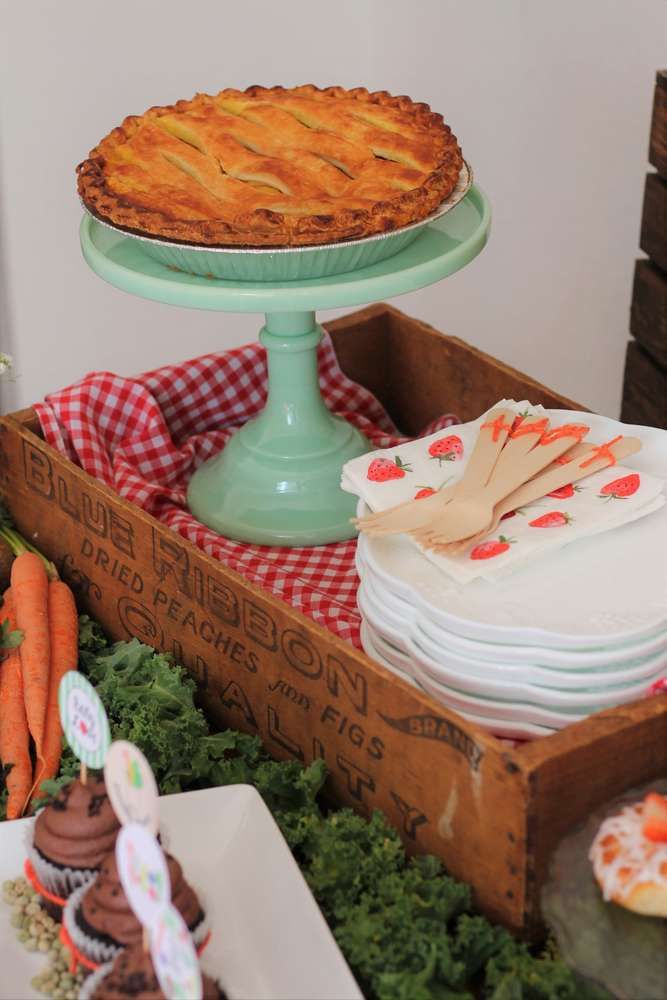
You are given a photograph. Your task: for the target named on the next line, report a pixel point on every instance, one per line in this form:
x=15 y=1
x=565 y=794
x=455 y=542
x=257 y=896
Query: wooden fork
x=587 y=461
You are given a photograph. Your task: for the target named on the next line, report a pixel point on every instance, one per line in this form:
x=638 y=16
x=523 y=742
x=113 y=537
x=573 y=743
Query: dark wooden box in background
x=645 y=384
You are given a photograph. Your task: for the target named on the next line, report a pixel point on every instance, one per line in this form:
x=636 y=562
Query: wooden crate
x=644 y=389
x=645 y=379
x=492 y=814
x=657 y=153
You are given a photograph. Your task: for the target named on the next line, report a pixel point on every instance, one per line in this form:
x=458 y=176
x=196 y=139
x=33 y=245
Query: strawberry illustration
x=518 y=420
x=621 y=488
x=554 y=519
x=425 y=491
x=495 y=547
x=657 y=687
x=512 y=513
x=381 y=470
x=83 y=727
x=447 y=449
x=565 y=492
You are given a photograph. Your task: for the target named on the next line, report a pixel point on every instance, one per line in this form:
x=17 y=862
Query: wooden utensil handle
x=553 y=444
x=492 y=436
x=596 y=458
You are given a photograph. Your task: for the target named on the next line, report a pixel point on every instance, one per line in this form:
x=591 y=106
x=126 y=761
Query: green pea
x=31 y=944
x=16 y=920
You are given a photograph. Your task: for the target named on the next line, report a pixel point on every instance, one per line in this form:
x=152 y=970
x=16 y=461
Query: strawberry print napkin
x=601 y=502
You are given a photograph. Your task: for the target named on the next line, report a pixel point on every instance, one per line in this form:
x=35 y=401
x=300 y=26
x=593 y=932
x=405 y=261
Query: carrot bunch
x=42 y=608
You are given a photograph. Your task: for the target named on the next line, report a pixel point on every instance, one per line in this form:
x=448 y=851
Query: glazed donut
x=629 y=866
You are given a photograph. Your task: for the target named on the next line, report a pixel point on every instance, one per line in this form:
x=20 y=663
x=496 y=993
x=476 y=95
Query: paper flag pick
x=175 y=957
x=131 y=785
x=83 y=719
x=143 y=872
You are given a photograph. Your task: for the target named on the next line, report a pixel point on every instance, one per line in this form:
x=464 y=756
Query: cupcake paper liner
x=93 y=949
x=92 y=981
x=59 y=881
x=100 y=952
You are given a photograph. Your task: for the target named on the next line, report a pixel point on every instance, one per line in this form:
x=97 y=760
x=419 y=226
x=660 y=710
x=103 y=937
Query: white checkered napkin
x=145 y=436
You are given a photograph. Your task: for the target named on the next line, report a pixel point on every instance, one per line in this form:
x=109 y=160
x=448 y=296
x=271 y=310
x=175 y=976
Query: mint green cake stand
x=277 y=482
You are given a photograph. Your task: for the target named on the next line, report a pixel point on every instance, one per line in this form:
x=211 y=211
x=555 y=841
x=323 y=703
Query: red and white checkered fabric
x=145 y=436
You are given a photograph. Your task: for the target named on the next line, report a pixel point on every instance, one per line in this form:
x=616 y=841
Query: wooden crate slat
x=648 y=316
x=653 y=240
x=419 y=373
x=658 y=143
x=644 y=389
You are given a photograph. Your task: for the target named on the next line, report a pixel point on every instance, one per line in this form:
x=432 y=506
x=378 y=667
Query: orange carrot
x=64 y=639
x=14 y=736
x=30 y=588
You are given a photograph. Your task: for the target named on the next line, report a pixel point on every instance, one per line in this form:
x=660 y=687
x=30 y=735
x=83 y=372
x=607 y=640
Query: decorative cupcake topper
x=84 y=721
x=131 y=786
x=175 y=957
x=143 y=872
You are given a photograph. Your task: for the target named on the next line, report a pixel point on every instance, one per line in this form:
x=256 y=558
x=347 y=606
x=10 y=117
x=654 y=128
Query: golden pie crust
x=273 y=167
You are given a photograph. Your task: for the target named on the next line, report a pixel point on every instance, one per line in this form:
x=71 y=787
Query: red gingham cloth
x=145 y=436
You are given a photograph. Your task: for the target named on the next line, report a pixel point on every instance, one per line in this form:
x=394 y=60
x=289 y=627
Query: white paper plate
x=604 y=591
x=514 y=713
x=378 y=649
x=461 y=675
x=615 y=686
x=235 y=857
x=503 y=728
x=628 y=658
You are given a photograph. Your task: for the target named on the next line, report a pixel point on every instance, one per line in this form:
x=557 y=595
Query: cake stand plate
x=277 y=482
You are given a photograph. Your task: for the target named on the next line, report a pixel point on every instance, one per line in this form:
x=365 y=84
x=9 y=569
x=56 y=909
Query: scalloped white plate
x=503 y=728
x=613 y=686
x=607 y=590
x=605 y=659
x=463 y=676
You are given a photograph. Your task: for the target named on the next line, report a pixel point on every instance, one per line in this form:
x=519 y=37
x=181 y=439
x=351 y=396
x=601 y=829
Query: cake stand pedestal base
x=277 y=482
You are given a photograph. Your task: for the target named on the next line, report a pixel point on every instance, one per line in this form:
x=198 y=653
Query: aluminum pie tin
x=290 y=263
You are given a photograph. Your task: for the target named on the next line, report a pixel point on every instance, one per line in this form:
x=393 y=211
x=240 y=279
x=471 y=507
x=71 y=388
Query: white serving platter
x=269 y=941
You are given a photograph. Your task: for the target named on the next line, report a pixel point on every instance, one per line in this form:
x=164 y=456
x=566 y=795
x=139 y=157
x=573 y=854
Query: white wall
x=550 y=100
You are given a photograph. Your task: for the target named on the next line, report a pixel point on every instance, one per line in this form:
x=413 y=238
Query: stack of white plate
x=583 y=630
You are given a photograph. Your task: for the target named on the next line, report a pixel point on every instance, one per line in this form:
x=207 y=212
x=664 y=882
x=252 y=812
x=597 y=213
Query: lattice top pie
x=273 y=167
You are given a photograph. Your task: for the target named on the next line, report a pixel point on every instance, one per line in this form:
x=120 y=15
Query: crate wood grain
x=492 y=814
x=658 y=143
x=648 y=316
x=653 y=240
x=644 y=389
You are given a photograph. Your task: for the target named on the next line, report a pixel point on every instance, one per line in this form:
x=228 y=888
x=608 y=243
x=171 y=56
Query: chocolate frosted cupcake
x=100 y=922
x=132 y=974
x=71 y=837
